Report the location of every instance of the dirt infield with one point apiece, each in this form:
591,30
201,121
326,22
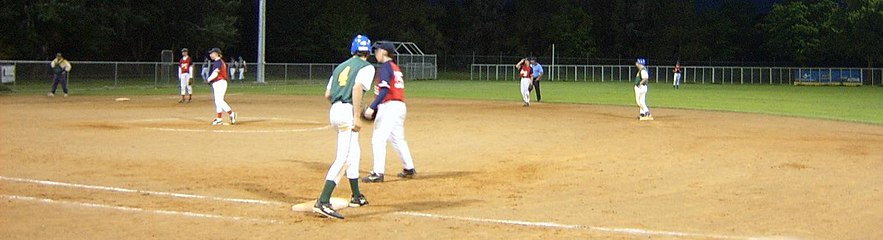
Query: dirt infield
90,167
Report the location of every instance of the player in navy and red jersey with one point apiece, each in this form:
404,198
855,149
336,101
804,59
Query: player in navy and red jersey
526,74
389,123
218,81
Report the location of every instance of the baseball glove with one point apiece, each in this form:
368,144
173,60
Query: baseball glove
190,82
369,114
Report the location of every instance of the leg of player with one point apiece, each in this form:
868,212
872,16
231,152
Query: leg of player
536,86
352,173
56,79
64,84
221,106
525,91
382,130
183,82
642,102
401,145
638,101
189,90
347,151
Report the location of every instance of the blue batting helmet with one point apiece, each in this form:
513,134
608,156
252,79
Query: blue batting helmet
642,60
361,43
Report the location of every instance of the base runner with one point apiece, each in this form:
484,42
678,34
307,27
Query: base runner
348,82
641,80
389,123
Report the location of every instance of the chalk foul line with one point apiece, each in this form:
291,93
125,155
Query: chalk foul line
125,190
627,231
133,209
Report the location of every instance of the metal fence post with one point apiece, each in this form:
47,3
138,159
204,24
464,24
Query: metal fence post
115,73
712,75
602,73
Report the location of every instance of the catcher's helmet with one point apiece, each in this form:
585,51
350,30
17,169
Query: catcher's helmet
361,43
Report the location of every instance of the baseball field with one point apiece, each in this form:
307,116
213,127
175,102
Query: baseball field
719,162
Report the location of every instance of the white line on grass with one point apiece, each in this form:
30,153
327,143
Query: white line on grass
628,231
125,190
132,209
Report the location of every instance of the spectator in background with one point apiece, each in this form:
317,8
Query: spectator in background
232,67
60,67
205,65
241,66
537,76
677,81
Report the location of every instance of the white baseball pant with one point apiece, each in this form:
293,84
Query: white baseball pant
389,125
525,89
186,88
641,98
220,89
677,81
348,150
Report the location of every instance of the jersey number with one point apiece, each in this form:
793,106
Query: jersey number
344,77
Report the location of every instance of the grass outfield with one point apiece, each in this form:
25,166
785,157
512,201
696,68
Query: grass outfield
857,104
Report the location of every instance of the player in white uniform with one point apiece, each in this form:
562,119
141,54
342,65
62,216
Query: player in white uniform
348,83
526,74
389,123
185,76
641,80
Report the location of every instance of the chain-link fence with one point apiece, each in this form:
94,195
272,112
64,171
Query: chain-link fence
692,74
158,74
418,66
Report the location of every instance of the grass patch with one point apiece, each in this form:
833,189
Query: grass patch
857,104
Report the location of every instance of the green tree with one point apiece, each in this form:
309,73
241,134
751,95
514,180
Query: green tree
866,31
799,30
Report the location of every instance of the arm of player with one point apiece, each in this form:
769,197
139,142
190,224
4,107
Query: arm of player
541,72
214,75
386,75
644,77
518,65
363,83
328,89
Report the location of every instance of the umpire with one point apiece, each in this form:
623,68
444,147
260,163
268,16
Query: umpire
537,76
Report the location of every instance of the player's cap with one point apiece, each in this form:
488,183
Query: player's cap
215,50
385,46
361,43
642,60
185,50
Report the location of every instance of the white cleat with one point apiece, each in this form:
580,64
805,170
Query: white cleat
217,122
233,118
50,95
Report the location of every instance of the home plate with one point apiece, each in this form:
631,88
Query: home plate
336,204
122,99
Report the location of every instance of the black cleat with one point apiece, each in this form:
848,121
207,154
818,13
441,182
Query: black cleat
407,173
373,178
358,201
326,210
